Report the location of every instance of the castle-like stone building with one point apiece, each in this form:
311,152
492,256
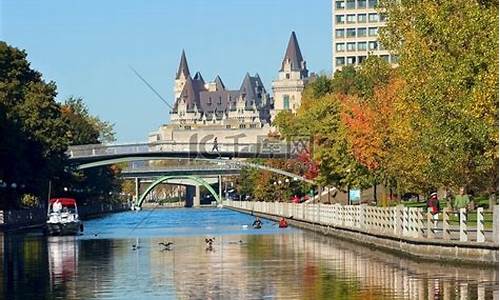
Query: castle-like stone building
292,77
209,108
200,104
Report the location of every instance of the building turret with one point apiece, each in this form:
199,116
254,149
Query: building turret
292,77
181,76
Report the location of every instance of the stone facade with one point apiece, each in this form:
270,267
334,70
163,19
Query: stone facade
203,109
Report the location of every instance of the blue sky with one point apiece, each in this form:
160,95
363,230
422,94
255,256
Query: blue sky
86,47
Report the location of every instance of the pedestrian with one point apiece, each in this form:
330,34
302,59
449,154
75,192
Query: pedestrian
433,204
462,200
216,145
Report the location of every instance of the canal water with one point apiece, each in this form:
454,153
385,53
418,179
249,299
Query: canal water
244,263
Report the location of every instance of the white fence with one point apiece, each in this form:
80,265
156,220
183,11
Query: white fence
399,221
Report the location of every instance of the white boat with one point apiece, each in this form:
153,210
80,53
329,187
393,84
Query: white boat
62,217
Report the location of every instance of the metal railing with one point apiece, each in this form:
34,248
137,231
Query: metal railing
264,148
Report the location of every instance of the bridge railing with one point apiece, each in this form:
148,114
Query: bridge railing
206,167
393,222
270,148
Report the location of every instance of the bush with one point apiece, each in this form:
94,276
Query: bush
29,200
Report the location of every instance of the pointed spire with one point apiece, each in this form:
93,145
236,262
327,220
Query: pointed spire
183,67
198,77
293,55
219,85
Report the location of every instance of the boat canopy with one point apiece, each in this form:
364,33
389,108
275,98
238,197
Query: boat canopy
63,201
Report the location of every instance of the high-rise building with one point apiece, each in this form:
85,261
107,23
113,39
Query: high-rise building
356,24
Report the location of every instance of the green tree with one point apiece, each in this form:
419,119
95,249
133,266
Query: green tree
35,140
449,60
83,128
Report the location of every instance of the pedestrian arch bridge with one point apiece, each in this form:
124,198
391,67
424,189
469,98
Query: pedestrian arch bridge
192,180
165,149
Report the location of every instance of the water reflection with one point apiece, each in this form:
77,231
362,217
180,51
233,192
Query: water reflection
290,264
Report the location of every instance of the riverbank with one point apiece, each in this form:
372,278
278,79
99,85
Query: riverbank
470,252
35,218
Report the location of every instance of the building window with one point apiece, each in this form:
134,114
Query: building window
380,46
351,60
340,19
339,61
362,18
373,31
394,59
372,3
340,4
385,57
351,46
382,17
362,46
361,59
361,4
340,47
287,75
351,19
372,18
351,32
362,32
286,102
351,4
372,45
339,33
242,126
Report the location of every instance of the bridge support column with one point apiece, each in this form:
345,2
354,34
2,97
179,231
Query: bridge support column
220,188
137,188
196,198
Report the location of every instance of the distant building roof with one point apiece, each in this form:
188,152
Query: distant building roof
198,77
219,85
183,67
294,56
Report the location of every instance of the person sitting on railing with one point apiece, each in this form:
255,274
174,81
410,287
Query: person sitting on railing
433,204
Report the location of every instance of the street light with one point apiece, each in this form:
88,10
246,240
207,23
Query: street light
65,189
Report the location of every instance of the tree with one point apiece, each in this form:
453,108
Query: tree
35,132
83,128
34,129
447,119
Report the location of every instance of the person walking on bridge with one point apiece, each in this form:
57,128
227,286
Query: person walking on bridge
216,145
